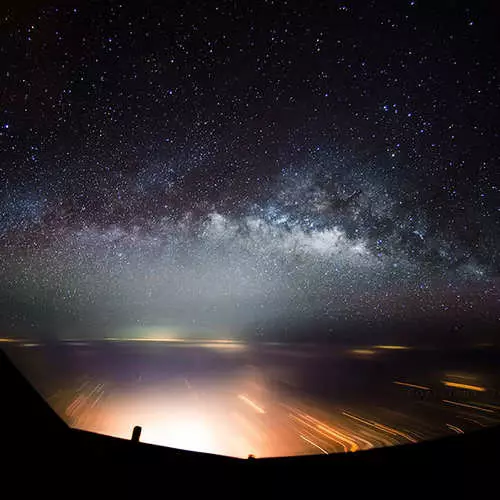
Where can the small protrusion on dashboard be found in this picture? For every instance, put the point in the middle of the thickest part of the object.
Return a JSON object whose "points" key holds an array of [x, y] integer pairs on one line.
{"points": [[136, 433]]}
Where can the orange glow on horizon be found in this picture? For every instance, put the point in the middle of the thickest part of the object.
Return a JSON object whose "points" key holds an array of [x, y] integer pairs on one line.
{"points": [[392, 347], [362, 352]]}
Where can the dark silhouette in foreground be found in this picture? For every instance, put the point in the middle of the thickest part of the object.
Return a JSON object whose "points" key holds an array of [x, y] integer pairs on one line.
{"points": [[34, 439]]}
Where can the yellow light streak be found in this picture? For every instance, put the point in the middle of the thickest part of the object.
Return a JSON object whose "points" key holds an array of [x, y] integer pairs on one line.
{"points": [[455, 429], [383, 427], [392, 347], [473, 407], [414, 386], [249, 402], [467, 387], [347, 443], [313, 444], [362, 352]]}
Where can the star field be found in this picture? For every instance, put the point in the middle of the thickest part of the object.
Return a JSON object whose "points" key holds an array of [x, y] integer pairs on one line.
{"points": [[213, 167]]}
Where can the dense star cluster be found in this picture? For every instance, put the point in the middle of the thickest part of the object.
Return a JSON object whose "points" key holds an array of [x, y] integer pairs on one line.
{"points": [[240, 169]]}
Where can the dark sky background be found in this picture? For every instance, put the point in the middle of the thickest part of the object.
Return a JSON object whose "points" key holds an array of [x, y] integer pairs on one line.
{"points": [[252, 168]]}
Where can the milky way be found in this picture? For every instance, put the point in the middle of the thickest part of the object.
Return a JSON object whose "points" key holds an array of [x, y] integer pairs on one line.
{"points": [[238, 171]]}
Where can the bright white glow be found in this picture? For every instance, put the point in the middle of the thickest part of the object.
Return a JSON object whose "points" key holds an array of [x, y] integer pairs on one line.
{"points": [[184, 433], [178, 417]]}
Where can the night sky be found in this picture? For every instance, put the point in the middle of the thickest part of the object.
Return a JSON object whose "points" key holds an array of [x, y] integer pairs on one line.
{"points": [[240, 168]]}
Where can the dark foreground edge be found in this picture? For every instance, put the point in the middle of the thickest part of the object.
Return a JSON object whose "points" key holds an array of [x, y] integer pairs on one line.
{"points": [[34, 439]]}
